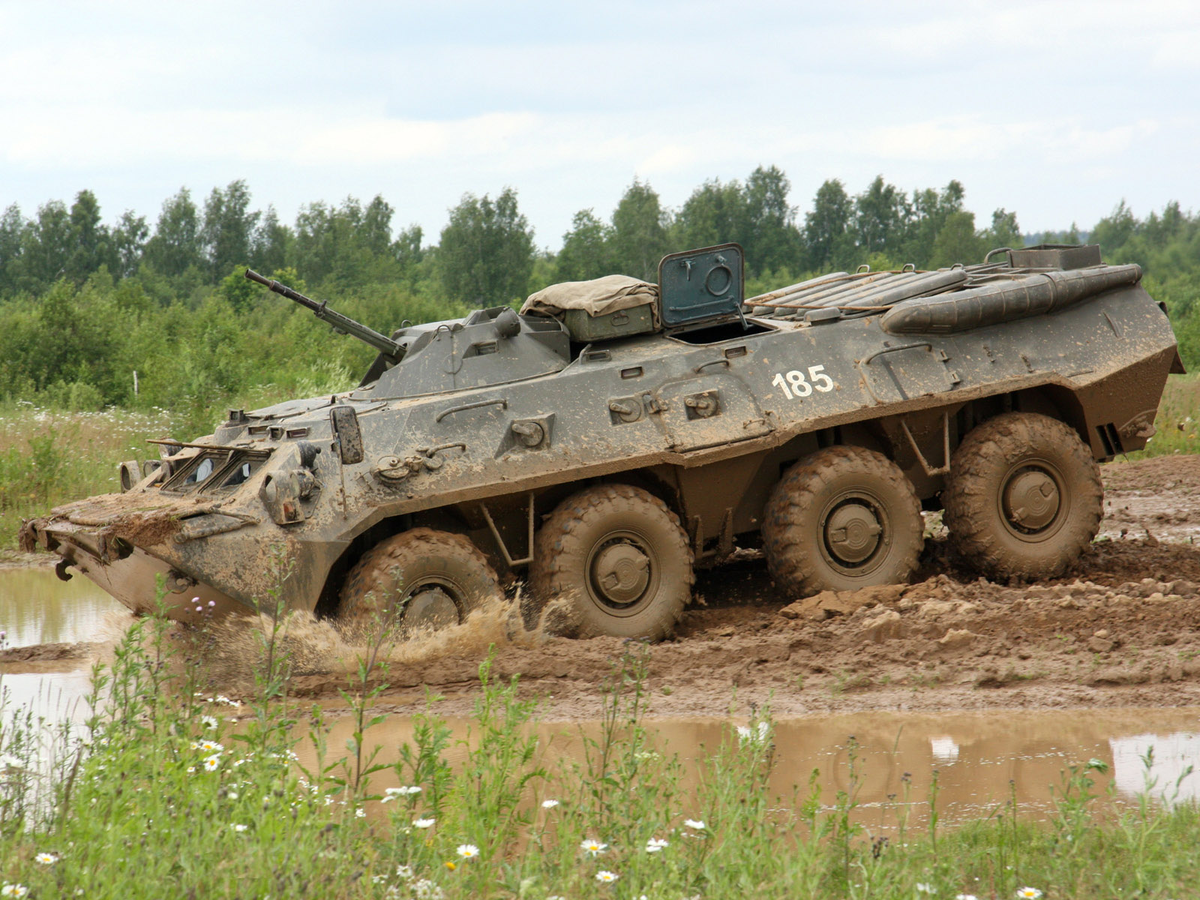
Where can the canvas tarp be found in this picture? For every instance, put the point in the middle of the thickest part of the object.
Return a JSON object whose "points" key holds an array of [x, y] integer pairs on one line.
{"points": [[597, 297]]}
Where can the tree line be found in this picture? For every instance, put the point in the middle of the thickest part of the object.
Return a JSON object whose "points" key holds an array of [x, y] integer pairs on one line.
{"points": [[486, 252], [84, 303]]}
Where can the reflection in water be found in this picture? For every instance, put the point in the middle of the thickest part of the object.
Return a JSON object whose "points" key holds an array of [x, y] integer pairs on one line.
{"points": [[1159, 764], [56, 697], [981, 760], [37, 608]]}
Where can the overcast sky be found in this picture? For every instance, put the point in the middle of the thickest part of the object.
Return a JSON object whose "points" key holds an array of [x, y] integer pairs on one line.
{"points": [[1056, 110]]}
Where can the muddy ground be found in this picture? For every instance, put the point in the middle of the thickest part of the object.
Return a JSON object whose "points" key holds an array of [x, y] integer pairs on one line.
{"points": [[1121, 628]]}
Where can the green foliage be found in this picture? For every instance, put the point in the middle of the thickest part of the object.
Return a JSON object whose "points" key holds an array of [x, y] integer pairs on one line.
{"points": [[485, 256], [171, 791]]}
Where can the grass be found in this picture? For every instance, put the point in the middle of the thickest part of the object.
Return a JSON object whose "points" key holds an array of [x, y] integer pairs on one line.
{"points": [[167, 792]]}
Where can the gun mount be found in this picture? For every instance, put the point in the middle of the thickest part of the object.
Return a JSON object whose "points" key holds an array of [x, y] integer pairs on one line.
{"points": [[340, 323]]}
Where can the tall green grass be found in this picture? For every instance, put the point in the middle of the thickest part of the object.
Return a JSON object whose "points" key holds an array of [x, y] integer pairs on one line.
{"points": [[166, 791]]}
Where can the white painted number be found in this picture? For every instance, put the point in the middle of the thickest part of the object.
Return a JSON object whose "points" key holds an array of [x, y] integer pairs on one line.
{"points": [[794, 384]]}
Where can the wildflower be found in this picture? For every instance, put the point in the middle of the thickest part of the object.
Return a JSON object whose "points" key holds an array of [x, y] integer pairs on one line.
{"points": [[46, 859], [379, 879], [405, 872], [549, 804], [593, 847], [392, 793], [191, 770], [695, 824], [360, 813], [424, 823], [209, 721], [13, 890], [239, 828], [233, 795], [211, 764], [211, 747], [1029, 893], [451, 865], [427, 890], [656, 845], [754, 736], [925, 888], [467, 851], [606, 877]]}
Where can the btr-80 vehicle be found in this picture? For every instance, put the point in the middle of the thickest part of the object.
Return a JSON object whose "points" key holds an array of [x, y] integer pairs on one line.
{"points": [[615, 434]]}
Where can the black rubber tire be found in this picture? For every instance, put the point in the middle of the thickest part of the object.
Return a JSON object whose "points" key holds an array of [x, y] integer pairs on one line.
{"points": [[979, 497], [391, 574], [867, 491], [637, 533]]}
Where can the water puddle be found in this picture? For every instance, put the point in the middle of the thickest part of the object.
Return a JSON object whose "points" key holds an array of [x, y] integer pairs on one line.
{"points": [[981, 760], [37, 608]]}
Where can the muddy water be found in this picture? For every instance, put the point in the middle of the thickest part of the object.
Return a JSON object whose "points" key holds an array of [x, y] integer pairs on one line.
{"points": [[37, 608], [980, 761]]}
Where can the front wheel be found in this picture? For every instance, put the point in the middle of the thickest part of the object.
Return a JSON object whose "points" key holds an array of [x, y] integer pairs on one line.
{"points": [[1023, 497], [421, 579], [619, 558], [841, 519]]}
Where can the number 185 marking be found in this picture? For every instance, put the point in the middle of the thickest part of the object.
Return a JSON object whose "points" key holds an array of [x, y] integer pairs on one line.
{"points": [[793, 384]]}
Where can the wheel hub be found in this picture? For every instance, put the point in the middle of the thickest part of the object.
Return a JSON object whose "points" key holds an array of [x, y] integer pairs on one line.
{"points": [[1031, 499], [852, 533], [430, 608], [621, 573]]}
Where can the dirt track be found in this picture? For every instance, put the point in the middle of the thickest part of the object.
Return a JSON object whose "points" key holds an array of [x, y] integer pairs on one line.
{"points": [[1122, 628]]}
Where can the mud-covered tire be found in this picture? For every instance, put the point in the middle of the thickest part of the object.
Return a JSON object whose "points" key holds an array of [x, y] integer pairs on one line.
{"points": [[840, 519], [620, 561], [1023, 497], [425, 578]]}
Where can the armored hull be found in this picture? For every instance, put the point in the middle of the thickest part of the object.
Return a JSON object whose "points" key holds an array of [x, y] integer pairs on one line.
{"points": [[818, 421]]}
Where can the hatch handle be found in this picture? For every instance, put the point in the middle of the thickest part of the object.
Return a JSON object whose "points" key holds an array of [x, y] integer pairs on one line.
{"points": [[501, 402]]}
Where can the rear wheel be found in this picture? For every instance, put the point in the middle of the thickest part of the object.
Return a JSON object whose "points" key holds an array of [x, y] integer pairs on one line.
{"points": [[619, 558], [1023, 497], [840, 519], [418, 580]]}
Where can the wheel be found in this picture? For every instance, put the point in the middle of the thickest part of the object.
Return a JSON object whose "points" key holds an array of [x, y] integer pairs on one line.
{"points": [[840, 519], [1023, 497], [429, 579], [619, 557]]}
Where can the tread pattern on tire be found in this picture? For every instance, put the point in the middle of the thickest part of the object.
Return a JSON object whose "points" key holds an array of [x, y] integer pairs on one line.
{"points": [[371, 582], [969, 500], [550, 577], [789, 537]]}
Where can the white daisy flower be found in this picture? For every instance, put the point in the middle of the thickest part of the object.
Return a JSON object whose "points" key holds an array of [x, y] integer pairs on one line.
{"points": [[424, 823], [606, 877], [549, 804], [467, 851], [46, 859], [593, 847], [656, 845], [695, 824]]}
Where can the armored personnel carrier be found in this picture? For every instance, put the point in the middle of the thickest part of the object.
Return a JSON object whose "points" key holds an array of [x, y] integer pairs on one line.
{"points": [[616, 434]]}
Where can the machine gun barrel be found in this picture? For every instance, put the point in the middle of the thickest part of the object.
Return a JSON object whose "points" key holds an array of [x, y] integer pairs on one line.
{"points": [[340, 323]]}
